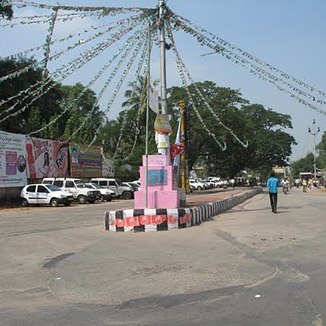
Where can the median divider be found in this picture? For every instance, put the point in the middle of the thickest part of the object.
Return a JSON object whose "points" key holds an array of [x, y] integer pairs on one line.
{"points": [[149, 220]]}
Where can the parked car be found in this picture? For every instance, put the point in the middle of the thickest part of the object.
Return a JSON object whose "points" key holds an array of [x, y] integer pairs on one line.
{"points": [[80, 192], [137, 182], [133, 185], [207, 185], [125, 192], [219, 183], [45, 194], [197, 185], [211, 183], [106, 194]]}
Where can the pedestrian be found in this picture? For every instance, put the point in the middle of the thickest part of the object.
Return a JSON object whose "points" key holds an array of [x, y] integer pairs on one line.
{"points": [[272, 185], [285, 184], [310, 184], [304, 185]]}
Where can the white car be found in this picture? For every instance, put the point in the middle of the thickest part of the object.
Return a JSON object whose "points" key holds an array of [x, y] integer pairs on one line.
{"points": [[137, 182], [219, 183], [120, 191], [196, 185], [135, 186], [45, 194], [75, 186], [106, 194]]}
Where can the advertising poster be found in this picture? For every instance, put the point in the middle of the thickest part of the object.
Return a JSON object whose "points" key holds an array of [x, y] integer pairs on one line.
{"points": [[107, 168], [85, 162], [46, 158], [12, 160]]}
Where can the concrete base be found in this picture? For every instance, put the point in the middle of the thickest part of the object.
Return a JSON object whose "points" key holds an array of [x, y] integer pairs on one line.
{"points": [[144, 220], [159, 199]]}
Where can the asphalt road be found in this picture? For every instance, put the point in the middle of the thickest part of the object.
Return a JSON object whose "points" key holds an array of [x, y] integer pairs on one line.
{"points": [[248, 266]]}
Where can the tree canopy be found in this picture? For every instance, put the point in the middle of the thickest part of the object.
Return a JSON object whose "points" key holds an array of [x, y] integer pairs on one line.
{"points": [[6, 9], [306, 163], [268, 142], [56, 114], [219, 116]]}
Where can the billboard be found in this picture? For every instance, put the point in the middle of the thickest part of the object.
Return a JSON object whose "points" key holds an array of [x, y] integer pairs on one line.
{"points": [[46, 158], [107, 167], [85, 162], [12, 160]]}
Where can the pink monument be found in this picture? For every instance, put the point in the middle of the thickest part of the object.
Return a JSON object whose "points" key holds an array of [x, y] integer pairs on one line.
{"points": [[162, 190]]}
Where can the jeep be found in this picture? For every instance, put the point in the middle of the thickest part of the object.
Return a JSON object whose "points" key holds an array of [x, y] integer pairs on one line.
{"points": [[120, 190]]}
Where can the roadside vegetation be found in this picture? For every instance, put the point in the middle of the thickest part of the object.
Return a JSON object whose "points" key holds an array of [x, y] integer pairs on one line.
{"points": [[71, 112]]}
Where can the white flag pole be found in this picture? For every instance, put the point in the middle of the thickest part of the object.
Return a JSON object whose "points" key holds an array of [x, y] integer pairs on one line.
{"points": [[147, 113]]}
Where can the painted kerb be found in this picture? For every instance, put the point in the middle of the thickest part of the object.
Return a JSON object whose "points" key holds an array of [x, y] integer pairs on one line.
{"points": [[149, 220]]}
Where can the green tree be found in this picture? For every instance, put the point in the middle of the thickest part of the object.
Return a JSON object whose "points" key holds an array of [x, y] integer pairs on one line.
{"points": [[26, 111], [269, 144], [321, 158], [124, 138], [6, 9], [133, 121], [223, 102], [136, 95], [61, 111], [304, 164], [83, 116]]}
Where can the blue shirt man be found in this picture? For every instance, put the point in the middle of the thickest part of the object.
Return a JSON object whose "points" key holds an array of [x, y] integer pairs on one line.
{"points": [[272, 185]]}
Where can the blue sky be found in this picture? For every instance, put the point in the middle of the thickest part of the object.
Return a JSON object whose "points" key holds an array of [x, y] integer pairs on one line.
{"points": [[288, 34]]}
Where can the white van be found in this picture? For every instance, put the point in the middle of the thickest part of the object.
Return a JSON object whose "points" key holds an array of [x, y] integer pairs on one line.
{"points": [[77, 188], [125, 192]]}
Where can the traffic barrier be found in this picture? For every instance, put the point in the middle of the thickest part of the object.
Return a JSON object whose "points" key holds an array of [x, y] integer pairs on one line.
{"points": [[149, 220]]}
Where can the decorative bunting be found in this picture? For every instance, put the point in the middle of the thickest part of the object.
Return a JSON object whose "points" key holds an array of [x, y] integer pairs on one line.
{"points": [[102, 91], [256, 66], [133, 23], [68, 69]]}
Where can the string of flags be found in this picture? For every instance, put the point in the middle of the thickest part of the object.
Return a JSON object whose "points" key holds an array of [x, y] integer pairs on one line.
{"points": [[105, 35]]}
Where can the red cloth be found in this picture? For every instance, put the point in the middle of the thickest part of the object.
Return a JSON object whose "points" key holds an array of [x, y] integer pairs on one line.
{"points": [[176, 149]]}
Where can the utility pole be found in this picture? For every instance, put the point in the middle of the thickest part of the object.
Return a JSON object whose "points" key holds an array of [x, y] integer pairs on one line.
{"points": [[314, 131], [163, 57], [164, 104]]}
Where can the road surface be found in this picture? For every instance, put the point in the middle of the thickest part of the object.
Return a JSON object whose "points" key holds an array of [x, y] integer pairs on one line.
{"points": [[248, 266]]}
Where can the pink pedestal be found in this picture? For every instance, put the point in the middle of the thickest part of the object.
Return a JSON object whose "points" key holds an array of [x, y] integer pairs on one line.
{"points": [[160, 189]]}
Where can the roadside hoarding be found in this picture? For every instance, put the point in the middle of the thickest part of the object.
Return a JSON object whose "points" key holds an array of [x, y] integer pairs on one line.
{"points": [[12, 160], [107, 167], [46, 158], [85, 162]]}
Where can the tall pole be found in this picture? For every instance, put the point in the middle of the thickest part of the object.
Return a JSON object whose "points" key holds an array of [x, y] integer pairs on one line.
{"points": [[182, 106], [314, 131], [164, 103], [147, 81]]}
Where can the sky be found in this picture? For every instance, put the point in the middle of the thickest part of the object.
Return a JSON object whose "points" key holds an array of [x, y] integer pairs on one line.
{"points": [[288, 34]]}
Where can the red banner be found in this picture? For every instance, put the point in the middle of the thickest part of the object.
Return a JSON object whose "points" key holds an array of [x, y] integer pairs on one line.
{"points": [[175, 150]]}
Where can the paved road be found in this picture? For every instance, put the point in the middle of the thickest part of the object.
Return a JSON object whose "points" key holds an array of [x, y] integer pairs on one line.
{"points": [[246, 267]]}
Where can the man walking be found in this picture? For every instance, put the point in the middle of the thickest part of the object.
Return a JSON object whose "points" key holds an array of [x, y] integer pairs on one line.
{"points": [[272, 184]]}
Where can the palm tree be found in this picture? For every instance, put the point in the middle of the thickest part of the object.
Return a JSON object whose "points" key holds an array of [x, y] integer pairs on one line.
{"points": [[136, 95], [133, 119]]}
